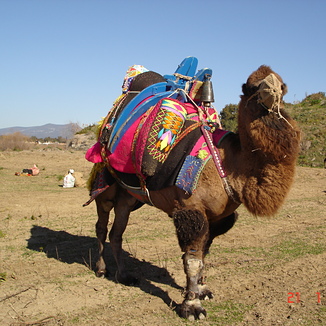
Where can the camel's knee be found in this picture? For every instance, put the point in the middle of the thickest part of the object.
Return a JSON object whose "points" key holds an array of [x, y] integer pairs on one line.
{"points": [[192, 229]]}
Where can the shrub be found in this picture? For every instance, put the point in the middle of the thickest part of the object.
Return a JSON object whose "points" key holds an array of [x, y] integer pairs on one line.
{"points": [[16, 142], [89, 129]]}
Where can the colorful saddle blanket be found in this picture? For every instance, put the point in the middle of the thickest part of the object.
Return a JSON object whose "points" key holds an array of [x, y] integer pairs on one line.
{"points": [[164, 145]]}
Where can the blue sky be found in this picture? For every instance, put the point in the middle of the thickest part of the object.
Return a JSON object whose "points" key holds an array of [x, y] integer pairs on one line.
{"points": [[63, 61]]}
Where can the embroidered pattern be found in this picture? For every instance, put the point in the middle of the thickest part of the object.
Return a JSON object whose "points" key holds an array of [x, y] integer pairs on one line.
{"points": [[190, 173], [165, 129]]}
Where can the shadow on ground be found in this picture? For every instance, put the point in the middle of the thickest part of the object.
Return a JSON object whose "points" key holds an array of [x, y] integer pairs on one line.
{"points": [[69, 248]]}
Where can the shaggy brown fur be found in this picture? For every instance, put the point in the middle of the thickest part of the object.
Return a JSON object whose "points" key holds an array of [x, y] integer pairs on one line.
{"points": [[189, 224], [260, 162], [267, 147]]}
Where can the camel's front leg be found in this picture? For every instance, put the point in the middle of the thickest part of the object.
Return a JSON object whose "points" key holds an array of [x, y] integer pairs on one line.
{"points": [[192, 231], [191, 307]]}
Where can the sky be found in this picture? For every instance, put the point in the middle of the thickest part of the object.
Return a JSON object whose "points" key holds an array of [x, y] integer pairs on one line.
{"points": [[63, 61]]}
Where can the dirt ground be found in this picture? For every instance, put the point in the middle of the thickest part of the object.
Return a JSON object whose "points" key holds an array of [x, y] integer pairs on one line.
{"points": [[262, 272]]}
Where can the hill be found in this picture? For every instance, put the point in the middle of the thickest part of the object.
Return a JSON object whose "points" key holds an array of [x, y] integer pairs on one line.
{"points": [[47, 130], [310, 114]]}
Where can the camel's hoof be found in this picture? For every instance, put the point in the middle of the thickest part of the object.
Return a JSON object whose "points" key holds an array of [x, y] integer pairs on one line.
{"points": [[205, 293], [192, 310], [101, 273]]}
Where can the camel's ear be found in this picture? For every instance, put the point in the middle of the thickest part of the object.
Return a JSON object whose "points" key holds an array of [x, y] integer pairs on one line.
{"points": [[244, 89], [284, 89], [247, 90]]}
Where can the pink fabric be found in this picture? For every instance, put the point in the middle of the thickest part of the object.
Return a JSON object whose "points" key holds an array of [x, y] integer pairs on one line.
{"points": [[121, 158], [93, 154], [199, 146], [191, 109], [218, 134]]}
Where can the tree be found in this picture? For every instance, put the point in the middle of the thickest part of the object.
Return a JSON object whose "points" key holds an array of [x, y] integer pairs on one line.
{"points": [[229, 117]]}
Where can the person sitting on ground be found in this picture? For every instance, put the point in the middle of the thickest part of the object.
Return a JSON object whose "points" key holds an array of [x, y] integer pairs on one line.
{"points": [[69, 179]]}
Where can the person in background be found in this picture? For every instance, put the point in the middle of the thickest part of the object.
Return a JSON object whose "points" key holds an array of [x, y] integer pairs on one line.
{"points": [[69, 179], [35, 170]]}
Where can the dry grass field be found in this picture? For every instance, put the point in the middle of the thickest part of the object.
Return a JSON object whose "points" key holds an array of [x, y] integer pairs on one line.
{"points": [[262, 272]]}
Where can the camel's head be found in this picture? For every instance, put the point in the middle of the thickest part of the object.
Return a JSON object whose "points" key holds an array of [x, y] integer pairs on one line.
{"points": [[266, 87], [263, 124]]}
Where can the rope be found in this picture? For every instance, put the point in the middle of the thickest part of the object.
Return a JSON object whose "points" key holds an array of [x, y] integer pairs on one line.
{"points": [[182, 76], [270, 96]]}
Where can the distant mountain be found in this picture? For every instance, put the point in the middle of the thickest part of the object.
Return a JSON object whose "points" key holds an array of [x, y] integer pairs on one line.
{"points": [[47, 130]]}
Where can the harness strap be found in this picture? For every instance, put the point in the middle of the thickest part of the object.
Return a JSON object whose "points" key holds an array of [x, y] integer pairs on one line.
{"points": [[218, 162], [140, 193], [207, 132]]}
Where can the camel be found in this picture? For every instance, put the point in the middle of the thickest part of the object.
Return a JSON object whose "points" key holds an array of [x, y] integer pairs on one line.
{"points": [[259, 161]]}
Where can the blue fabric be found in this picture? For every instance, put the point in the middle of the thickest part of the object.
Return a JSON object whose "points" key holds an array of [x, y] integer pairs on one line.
{"points": [[189, 174]]}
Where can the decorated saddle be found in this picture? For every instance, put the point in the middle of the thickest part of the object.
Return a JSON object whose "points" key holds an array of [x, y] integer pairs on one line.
{"points": [[158, 134]]}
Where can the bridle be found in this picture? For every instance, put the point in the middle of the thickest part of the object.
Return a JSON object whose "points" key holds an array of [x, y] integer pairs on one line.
{"points": [[270, 95]]}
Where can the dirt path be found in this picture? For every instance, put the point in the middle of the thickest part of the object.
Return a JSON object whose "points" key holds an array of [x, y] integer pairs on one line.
{"points": [[263, 271]]}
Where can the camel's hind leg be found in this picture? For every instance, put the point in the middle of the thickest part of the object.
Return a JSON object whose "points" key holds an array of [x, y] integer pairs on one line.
{"points": [[123, 206], [123, 203], [104, 204], [192, 231]]}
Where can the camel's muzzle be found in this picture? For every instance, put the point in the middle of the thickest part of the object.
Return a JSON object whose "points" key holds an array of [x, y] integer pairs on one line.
{"points": [[270, 93]]}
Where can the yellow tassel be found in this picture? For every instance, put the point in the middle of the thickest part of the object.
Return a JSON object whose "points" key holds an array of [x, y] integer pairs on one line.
{"points": [[97, 167], [202, 154]]}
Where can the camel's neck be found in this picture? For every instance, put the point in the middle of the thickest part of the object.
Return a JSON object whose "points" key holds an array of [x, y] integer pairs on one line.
{"points": [[262, 168]]}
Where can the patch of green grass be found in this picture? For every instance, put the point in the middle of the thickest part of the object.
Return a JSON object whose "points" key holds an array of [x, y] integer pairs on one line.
{"points": [[2, 234], [75, 320], [9, 217], [3, 277], [28, 253], [315, 227], [227, 312], [256, 252], [33, 217], [294, 248], [60, 177], [322, 309]]}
